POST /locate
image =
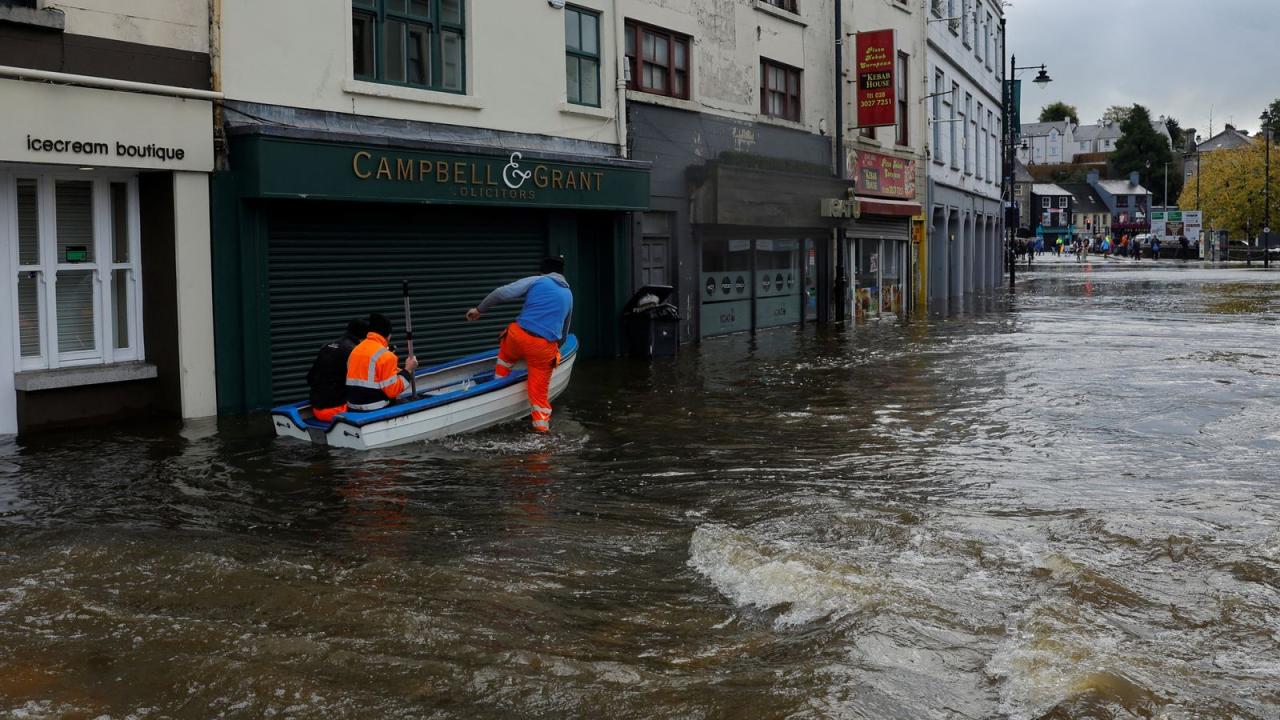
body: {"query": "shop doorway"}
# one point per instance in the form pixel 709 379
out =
pixel 879 270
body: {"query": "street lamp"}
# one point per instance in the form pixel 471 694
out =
pixel 1042 79
pixel 1266 192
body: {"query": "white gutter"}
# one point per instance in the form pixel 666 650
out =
pixel 107 83
pixel 619 62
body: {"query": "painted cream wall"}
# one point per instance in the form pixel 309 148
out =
pixel 177 24
pixel 960 64
pixel 297 53
pixel 908 20
pixel 192 262
pixel 8 397
pixel 729 39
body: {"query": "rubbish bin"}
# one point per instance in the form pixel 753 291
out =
pixel 652 322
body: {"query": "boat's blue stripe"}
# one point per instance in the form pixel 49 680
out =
pixel 359 419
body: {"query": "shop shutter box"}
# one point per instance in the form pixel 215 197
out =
pixel 332 262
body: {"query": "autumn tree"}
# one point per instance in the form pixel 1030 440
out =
pixel 1231 189
pixel 1115 113
pixel 1144 150
pixel 1059 111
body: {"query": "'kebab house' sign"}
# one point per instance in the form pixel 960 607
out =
pixel 877 105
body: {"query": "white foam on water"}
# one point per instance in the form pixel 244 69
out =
pixel 763 575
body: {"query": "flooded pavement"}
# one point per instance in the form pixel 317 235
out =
pixel 1064 506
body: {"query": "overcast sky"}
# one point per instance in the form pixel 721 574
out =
pixel 1118 52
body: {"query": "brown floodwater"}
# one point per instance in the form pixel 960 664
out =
pixel 1062 503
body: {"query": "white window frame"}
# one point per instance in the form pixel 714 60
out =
pixel 1064 202
pixel 102 267
pixel 1046 202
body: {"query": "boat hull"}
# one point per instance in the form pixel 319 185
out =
pixel 460 397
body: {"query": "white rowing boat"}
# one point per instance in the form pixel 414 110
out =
pixel 455 397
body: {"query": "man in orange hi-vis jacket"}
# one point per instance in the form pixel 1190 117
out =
pixel 373 375
pixel 537 334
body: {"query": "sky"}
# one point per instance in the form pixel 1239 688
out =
pixel 1119 52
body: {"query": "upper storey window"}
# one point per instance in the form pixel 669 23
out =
pixel 658 61
pixel 788 5
pixel 418 43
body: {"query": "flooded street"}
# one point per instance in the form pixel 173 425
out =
pixel 1065 505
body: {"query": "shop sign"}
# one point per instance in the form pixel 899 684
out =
pixel 877 175
pixel 289 168
pixel 875 60
pixel 65 125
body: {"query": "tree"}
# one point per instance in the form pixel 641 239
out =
pixel 1177 136
pixel 1142 149
pixel 1059 111
pixel 1231 189
pixel 1115 113
pixel 1274 110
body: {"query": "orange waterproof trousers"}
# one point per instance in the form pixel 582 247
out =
pixel 541 357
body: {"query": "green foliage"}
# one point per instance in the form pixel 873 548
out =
pixel 1115 113
pixel 1059 111
pixel 1177 136
pixel 1274 110
pixel 1142 149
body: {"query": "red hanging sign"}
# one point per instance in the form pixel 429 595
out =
pixel 877 102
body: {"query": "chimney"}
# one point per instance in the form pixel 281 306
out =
pixel 1133 179
pixel 1190 134
pixel 1230 127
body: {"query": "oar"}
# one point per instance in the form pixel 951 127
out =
pixel 408 336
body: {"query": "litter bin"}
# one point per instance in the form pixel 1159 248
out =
pixel 652 322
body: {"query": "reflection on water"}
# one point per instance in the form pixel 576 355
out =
pixel 1064 507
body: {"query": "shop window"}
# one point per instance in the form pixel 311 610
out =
pixel 582 56
pixel 778 286
pixel 658 61
pixel 418 43
pixel 879 267
pixel 902 134
pixel 779 91
pixel 748 284
pixel 77 271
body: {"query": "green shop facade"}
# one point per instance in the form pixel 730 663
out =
pixel 309 232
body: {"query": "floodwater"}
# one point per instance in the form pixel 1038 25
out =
pixel 1066 505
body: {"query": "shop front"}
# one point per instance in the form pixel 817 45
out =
pixel 763 247
pixel 885 264
pixel 104 260
pixel 311 230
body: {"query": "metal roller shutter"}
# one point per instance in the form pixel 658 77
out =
pixel 879 228
pixel 330 263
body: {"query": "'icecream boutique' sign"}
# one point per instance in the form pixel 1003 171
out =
pixel 319 170
pixel 78 126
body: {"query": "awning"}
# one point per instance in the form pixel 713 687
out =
pixel 877 206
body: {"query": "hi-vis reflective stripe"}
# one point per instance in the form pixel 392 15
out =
pixel 372 383
pixel 542 424
pixel 505 364
pixel 371 406
pixel 544 411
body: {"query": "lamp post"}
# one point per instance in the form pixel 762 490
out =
pixel 1042 79
pixel 1266 192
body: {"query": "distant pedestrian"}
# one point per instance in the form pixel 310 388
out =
pixel 1155 248
pixel 1184 246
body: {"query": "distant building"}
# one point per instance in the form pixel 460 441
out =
pixel 1127 200
pixel 1022 182
pixel 1063 142
pixel 1052 203
pixel 1228 139
pixel 1090 214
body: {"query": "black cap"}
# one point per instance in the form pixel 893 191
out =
pixel 357 328
pixel 380 324
pixel 553 264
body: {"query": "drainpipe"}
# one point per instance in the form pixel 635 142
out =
pixel 220 160
pixel 839 287
pixel 92 81
pixel 620 63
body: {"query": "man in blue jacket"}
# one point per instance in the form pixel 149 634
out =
pixel 537 334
